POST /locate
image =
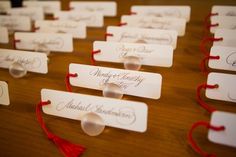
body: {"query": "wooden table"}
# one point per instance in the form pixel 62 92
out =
pixel 169 118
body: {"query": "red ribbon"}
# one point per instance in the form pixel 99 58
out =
pixel 203 63
pixel 108 35
pixel 92 56
pixel 205 41
pixel 67 81
pixel 122 24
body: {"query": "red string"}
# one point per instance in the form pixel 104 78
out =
pixel 203 63
pixel 132 13
pixel 199 99
pixel 122 24
pixel 205 41
pixel 108 35
pixel 67 149
pixel 207 18
pixel 15 41
pixel 193 144
pixel 92 56
pixel 67 81
pixel 208 27
pixel 35 29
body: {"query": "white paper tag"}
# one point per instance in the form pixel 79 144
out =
pixel 76 29
pixel 54 41
pixel 163 11
pixel 226 90
pixel 104 7
pixel 123 114
pixel 150 54
pixel 4 38
pixel 32 61
pixel 91 19
pixel 142 35
pixel 4 94
pixel 227 59
pixel 34 13
pixel 15 23
pixel 4 6
pixel 224 10
pixel 224 22
pixel 229 37
pixel 166 23
pixel 227 136
pixel 136 83
pixel 49 7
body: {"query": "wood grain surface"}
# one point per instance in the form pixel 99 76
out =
pixel 169 118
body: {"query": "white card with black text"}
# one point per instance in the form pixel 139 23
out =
pixel 162 11
pixel 123 114
pixel 142 35
pixel 53 41
pixel 91 19
pixel 34 13
pixel 15 23
pixel 228 35
pixel 149 54
pixel 226 136
pixel 224 10
pixel 166 23
pixel 224 22
pixel 32 61
pixel 4 38
pixel 4 93
pixel 49 7
pixel 226 90
pixel 76 29
pixel 105 7
pixel 136 83
pixel 227 58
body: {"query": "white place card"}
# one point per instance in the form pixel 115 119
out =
pixel 228 35
pixel 227 60
pixel 123 114
pixel 4 93
pixel 142 35
pixel 226 90
pixel 4 38
pixel 32 61
pixel 224 22
pixel 149 54
pixel 54 41
pixel 49 7
pixel 162 11
pixel 105 7
pixel 136 83
pixel 76 29
pixel 165 23
pixel 224 10
pixel 227 136
pixel 15 23
pixel 34 13
pixel 91 19
pixel 4 6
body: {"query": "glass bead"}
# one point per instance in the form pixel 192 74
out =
pixel 132 63
pixel 17 70
pixel 112 90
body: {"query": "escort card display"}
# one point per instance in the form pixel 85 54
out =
pixel 49 7
pixel 4 94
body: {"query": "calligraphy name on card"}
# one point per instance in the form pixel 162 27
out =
pixel 166 23
pixel 77 29
pixel 162 11
pixel 15 23
pixel 224 10
pixel 106 8
pixel 123 114
pixel 49 7
pixel 224 22
pixel 227 58
pixel 4 94
pixel 91 19
pixel 4 38
pixel 228 36
pixel 53 41
pixel 149 54
pixel 136 83
pixel 34 13
pixel 142 35
pixel 226 90
pixel 32 61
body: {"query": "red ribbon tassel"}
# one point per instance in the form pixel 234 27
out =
pixel 203 63
pixel 122 24
pixel 207 19
pixel 108 35
pixel 205 41
pixel 67 81
pixel 67 149
pixel 193 144
pixel 199 99
pixel 92 56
